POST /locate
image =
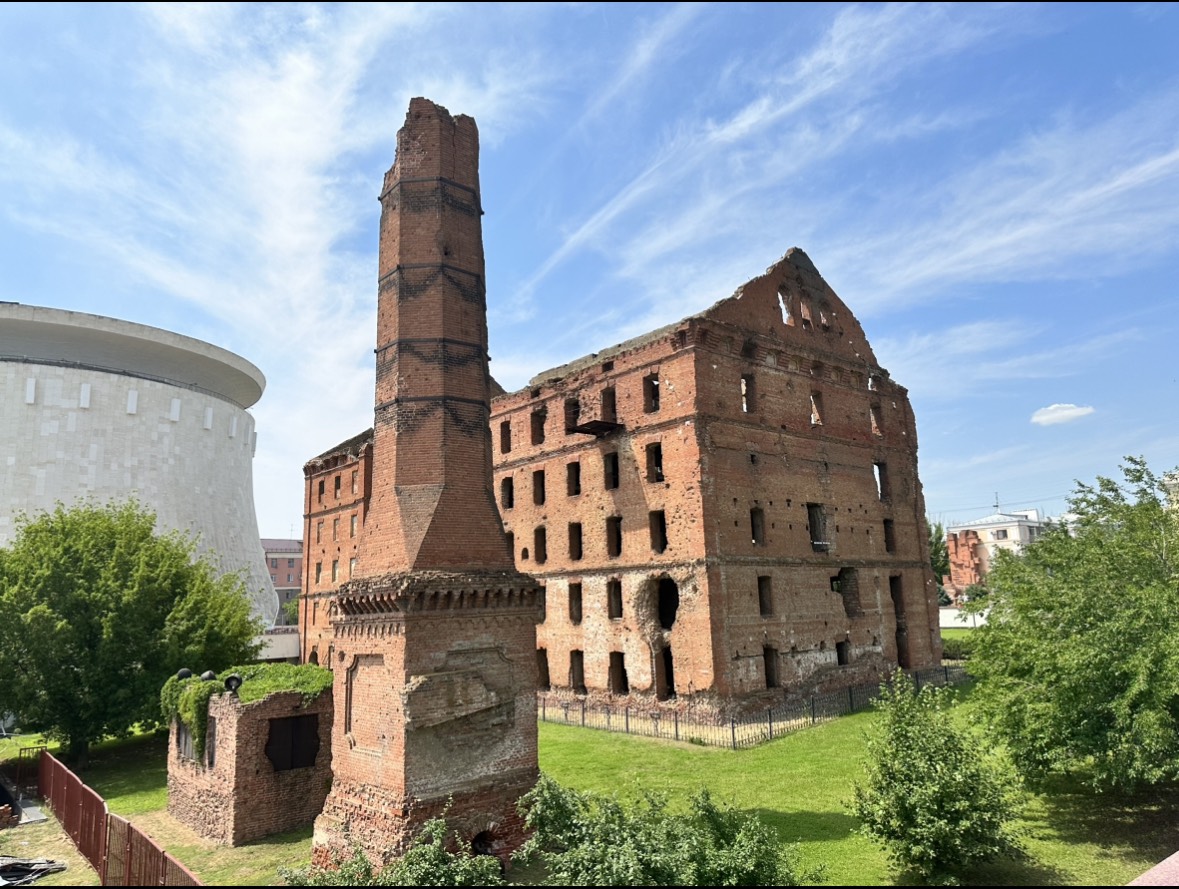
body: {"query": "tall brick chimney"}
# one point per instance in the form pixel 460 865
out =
pixel 432 502
pixel 434 637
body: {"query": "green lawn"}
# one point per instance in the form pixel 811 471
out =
pixel 957 632
pixel 798 784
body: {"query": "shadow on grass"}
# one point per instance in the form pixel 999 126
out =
pixel 806 827
pixel 282 839
pixel 130 767
pixel 1132 827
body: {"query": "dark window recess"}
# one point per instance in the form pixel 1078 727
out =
pixel 614 599
pixel 337 487
pixel 538 418
pixel 574 541
pixel 575 603
pixel 658 523
pixel 770 658
pixel 610 470
pixel 843 653
pixel 818 527
pixel 669 602
pixel 890 536
pixel 816 408
pixel 655 462
pixel 609 405
pixel 619 684
pixel 765 595
pixel 874 419
pixel 538 487
pixel 540 545
pixel 321 490
pixel 184 740
pixel 757 525
pixel 572 414
pixel 542 669
pixel 505 436
pixel 573 479
pixel 883 487
pixel 897 592
pixel 664 675
pixel 847 584
pixel 651 393
pixel 577 671
pixel 511 543
pixel 211 742
pixel 614 536
pixel 507 493
pixel 748 396
pixel 544 603
pixel 293 742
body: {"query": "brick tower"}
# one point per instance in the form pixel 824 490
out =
pixel 434 637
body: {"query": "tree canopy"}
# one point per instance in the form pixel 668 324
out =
pixel 1078 663
pixel 939 554
pixel 97 610
pixel 936 804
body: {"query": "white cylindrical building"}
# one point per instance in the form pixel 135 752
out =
pixel 97 408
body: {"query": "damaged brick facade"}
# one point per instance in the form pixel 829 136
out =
pixel 266 767
pixel 724 507
pixel 433 637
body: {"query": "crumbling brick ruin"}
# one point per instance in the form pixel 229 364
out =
pixel 433 637
pixel 725 506
pixel 265 767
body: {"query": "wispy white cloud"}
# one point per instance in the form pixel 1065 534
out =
pixel 1055 414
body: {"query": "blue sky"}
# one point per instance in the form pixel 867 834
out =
pixel 992 189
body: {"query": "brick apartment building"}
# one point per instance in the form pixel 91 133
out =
pixel 284 561
pixel 723 507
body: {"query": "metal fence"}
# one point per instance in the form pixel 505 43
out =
pixel 115 848
pixel 735 732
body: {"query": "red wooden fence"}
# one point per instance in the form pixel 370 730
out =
pixel 122 855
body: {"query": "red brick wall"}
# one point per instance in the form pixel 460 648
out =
pixel 240 797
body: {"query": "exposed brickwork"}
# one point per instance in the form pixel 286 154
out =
pixel 966 568
pixel 433 639
pixel 234 794
pixel 759 414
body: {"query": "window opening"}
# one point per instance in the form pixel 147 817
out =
pixel 757 525
pixel 614 599
pixel 540 545
pixel 847 584
pixel 655 462
pixel 542 669
pixel 664 675
pixel 897 592
pixel 669 602
pixel 538 418
pixel 883 488
pixel 610 470
pixel 609 406
pixel 577 671
pixel 575 603
pixel 784 305
pixel 817 523
pixel 843 653
pixel 619 684
pixel 747 393
pixel 614 536
pixel 572 414
pixel 658 523
pixel 538 487
pixel 573 478
pixel 574 541
pixel 507 492
pixel 651 393
pixel 816 408
pixel 765 595
pixel 769 656
pixel 874 418
pixel 505 436
pixel 293 742
pixel 890 536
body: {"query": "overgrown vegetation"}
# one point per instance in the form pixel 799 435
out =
pixel 936 803
pixel 586 839
pixel 188 699
pixel 100 607
pixel 957 645
pixel 427 862
pixel 1078 663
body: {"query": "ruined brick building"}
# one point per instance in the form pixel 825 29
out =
pixel 718 510
pixel 433 633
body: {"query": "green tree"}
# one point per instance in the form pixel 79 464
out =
pixel 929 797
pixel 585 839
pixel 939 555
pixel 97 610
pixel 428 862
pixel 1078 663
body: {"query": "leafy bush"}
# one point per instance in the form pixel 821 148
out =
pixel 428 862
pixel 931 798
pixel 585 839
pixel 957 648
